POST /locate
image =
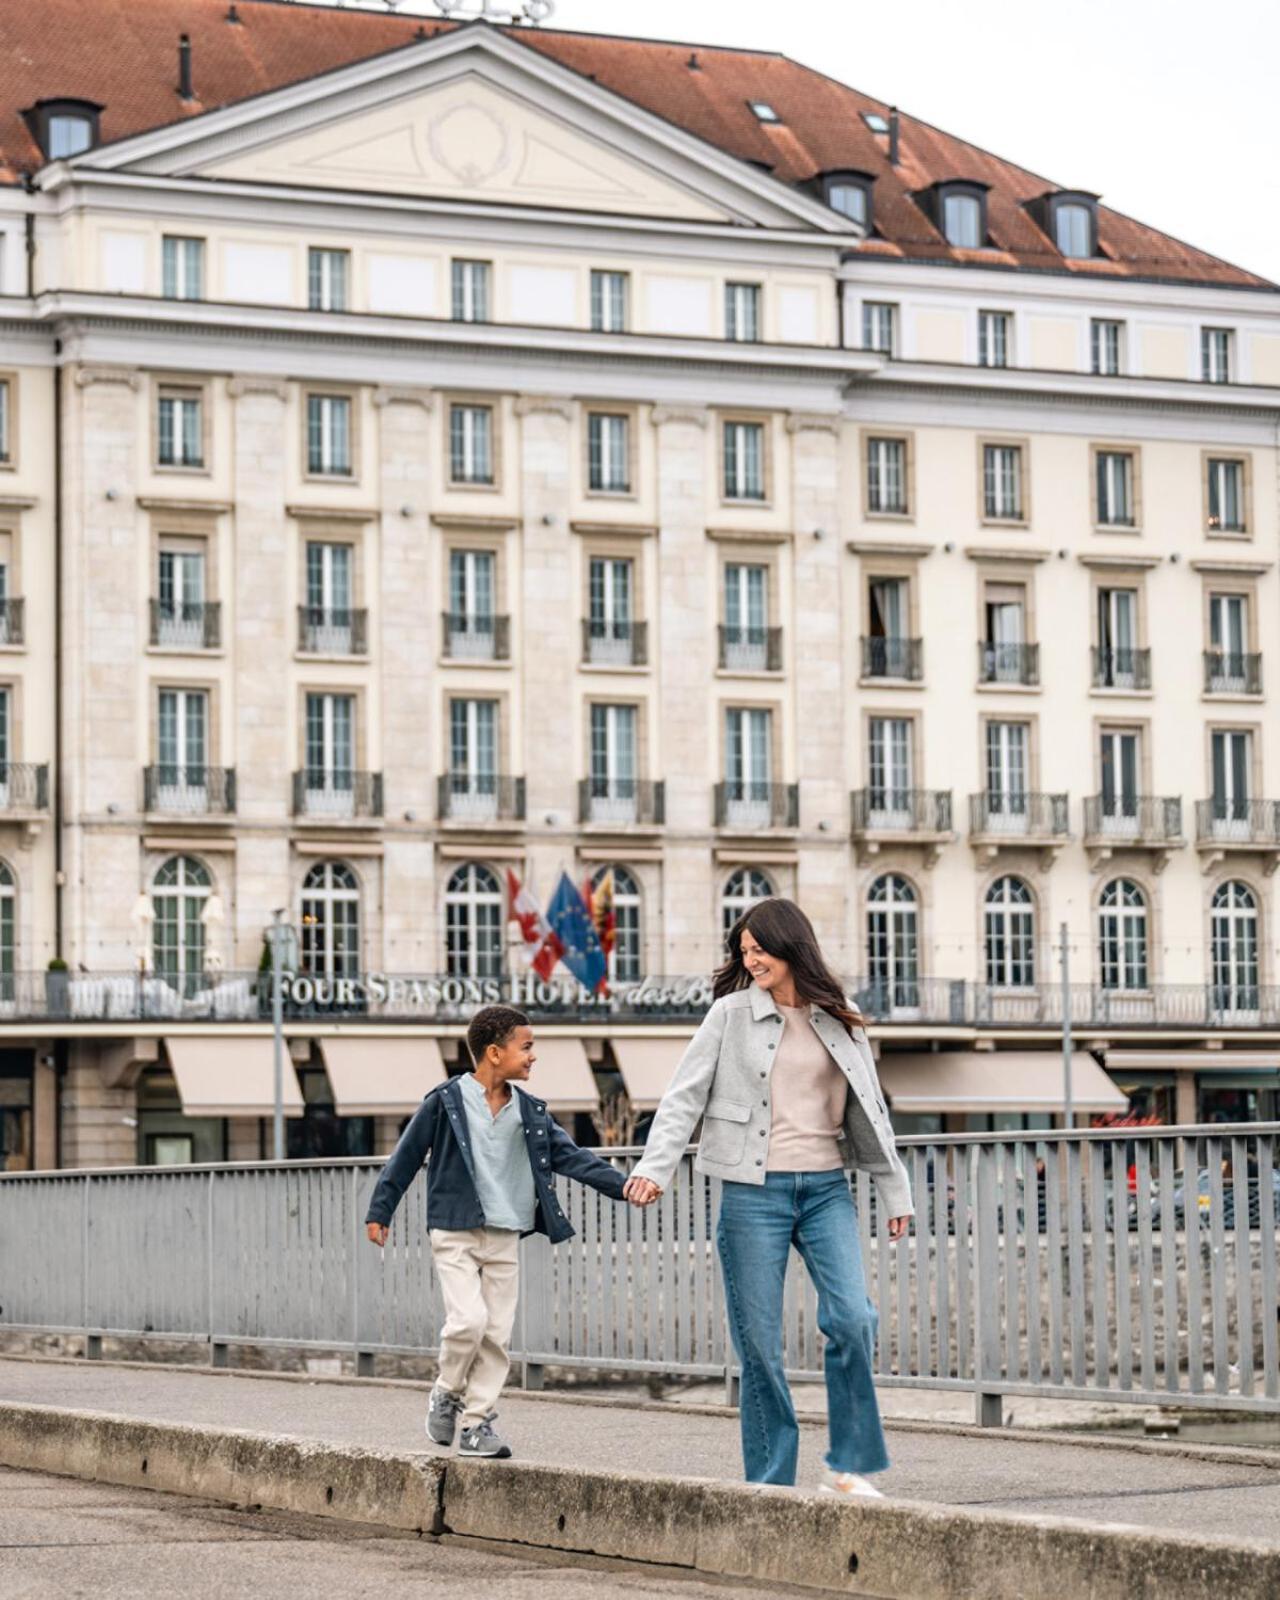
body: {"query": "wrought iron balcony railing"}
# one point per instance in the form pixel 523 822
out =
pixel 1254 822
pixel 622 800
pixel 193 791
pixel 1135 818
pixel 337 794
pixel 480 797
pixel 12 621
pixel 24 785
pixel 473 636
pixel 743 803
pixel 186 624
pixel 1008 663
pixel 892 658
pixel 1232 672
pixel 1121 669
pixel 881 810
pixel 994 813
pixel 333 631
pixel 750 649
pixel 614 643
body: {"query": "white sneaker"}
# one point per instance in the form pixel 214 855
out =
pixel 849 1485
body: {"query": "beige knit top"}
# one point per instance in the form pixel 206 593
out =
pixel 809 1094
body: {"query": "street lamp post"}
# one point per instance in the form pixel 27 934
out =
pixel 277 1025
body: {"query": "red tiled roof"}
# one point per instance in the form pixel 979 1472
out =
pixel 123 55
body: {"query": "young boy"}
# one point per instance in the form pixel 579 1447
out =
pixel 493 1152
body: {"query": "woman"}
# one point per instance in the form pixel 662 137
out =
pixel 781 1073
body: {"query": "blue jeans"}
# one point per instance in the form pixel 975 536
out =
pixel 758 1225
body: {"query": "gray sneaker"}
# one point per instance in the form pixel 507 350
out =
pixel 482 1441
pixel 442 1415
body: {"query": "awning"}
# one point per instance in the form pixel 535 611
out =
pixel 562 1075
pixel 230 1077
pixel 995 1080
pixel 647 1067
pixel 380 1077
pixel 1121 1061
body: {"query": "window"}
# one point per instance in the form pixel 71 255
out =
pixel 11 630
pixel 608 453
pixel 748 766
pixel 742 312
pixel 893 953
pixel 764 111
pixel 888 650
pixel 330 932
pixel 1229 667
pixel 995 329
pixel 1009 935
pixel 744 461
pixel 963 221
pixel 182 750
pixel 1226 495
pixel 1113 471
pixel 473 758
pixel 1231 756
pixel 626 957
pixel 471 621
pixel 850 195
pixel 1105 346
pixel 743 889
pixel 609 301
pixel 876 122
pixel 328 276
pixel 1002 482
pixel 1073 229
pixel 879 326
pixel 1122 936
pixel 328 619
pixel 6 409
pixel 1005 656
pixel 887 476
pixel 329 767
pixel 183 268
pixel 1118 639
pixel 610 633
pixel 180 616
pixel 889 771
pixel 613 763
pixel 746 617
pixel 1006 771
pixel 180 428
pixel 1233 940
pixel 1119 761
pixel 471 444
pixel 8 902
pixel 1215 354
pixel 470 280
pixel 68 134
pixel 473 913
pixel 180 891
pixel 329 435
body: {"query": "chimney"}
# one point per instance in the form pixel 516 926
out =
pixel 185 90
pixel 893 136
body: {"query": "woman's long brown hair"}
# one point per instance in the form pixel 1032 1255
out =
pixel 784 932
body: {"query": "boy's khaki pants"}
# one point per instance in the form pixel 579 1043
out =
pixel 479 1274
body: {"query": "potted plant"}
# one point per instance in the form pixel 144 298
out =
pixel 57 988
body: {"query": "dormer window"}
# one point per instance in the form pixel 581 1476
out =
pixel 1071 221
pixel 959 210
pixel 64 127
pixel 849 193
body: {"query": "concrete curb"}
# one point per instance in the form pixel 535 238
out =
pixel 888 1549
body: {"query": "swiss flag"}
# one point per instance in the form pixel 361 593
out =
pixel 543 948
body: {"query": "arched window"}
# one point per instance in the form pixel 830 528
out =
pixel 1010 935
pixel 626 959
pixel 179 891
pixel 330 921
pixel 1233 942
pixel 893 942
pixel 473 911
pixel 8 920
pixel 745 888
pixel 1122 935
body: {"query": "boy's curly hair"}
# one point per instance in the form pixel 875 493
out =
pixel 492 1025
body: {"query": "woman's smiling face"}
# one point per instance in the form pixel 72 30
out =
pixel 765 970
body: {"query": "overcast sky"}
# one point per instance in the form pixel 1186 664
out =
pixel 1166 108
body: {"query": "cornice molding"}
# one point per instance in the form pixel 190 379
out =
pixel 186 508
pixel 1229 567
pixel 814 422
pixel 619 530
pixel 691 416
pixel 993 385
pixel 88 377
pixel 241 386
pixel 890 547
pixel 1117 562
pixel 1000 552
pixel 750 536
pixel 332 513
pixel 393 396
pixel 18 502
pixel 473 520
pixel 549 405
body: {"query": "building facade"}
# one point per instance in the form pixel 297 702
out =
pixel 435 451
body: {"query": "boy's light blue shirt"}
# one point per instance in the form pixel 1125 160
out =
pixel 504 1178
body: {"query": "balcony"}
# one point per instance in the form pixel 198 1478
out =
pixel 1121 669
pixel 12 622
pixel 900 660
pixel 614 644
pixel 750 649
pixel 901 816
pixel 1009 663
pixel 470 636
pixel 333 631
pixel 186 624
pixel 1226 826
pixel 187 791
pixel 472 797
pixel 1132 822
pixel 24 786
pixel 622 802
pixel 1011 820
pixel 337 796
pixel 1232 672
pixel 743 803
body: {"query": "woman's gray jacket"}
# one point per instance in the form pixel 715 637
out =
pixel 724 1077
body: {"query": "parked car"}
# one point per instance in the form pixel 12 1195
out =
pixel 1204 1202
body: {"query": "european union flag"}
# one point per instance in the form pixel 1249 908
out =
pixel 571 923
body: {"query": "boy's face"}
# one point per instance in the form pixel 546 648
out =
pixel 514 1057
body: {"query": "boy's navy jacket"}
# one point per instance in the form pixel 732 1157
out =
pixel 439 1130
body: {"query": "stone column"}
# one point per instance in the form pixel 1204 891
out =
pixel 818 659
pixel 94 1130
pixel 681 650
pixel 406 645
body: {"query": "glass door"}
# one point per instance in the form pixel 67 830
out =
pixel 748 765
pixel 1008 803
pixel 182 777
pixel 471 604
pixel 746 617
pixel 609 623
pixel 889 785
pixel 613 763
pixel 1228 641
pixel 330 754
pixel 473 758
pixel 1117 638
pixel 1119 771
pixel 329 618
pixel 1232 759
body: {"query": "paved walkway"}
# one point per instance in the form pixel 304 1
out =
pixel 1192 1489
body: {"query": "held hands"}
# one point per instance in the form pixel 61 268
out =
pixel 377 1233
pixel 640 1191
pixel 898 1227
